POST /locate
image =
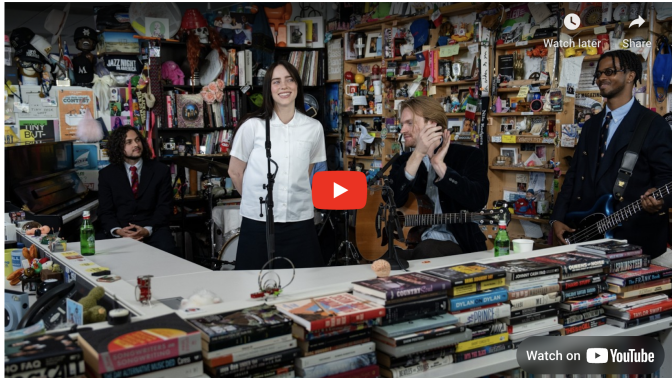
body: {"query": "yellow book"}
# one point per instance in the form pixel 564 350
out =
pixel 481 342
pixel 477 286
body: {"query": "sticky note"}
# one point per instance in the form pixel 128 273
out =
pixel 447 51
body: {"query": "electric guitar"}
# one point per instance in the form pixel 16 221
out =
pixel 601 219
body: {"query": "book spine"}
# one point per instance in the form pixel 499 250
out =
pixel 45 362
pixel 577 282
pixel 336 347
pixel 588 324
pixel 63 368
pixel 277 372
pixel 650 309
pixel 258 334
pixel 487 329
pixel 484 314
pixel 155 366
pixel 481 342
pixel 422 367
pixel 252 353
pixel 636 262
pixel 385 360
pixel 265 371
pixel 337 321
pixel 412 311
pixel 234 109
pixel 483 278
pixel 481 299
pixel 588 303
pixel 256 363
pixel 483 351
pixel 536 291
pixel 355 350
pixel 568 318
pixel 538 273
pixel 371 371
pixel 533 325
pixel 639 321
pixel 620 255
pixel 169 112
pixel 526 285
pixel 414 338
pixel 646 290
pixel 622 289
pixel 644 278
pixel 535 300
pixel 477 286
pixel 583 291
pixel 248 346
pixel 338 366
pixel 125 358
pixel 531 310
pixel 337 340
pixel 532 317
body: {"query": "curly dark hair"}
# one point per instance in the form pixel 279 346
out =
pixel 628 60
pixel 117 141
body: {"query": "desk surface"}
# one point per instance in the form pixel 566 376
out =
pixel 175 277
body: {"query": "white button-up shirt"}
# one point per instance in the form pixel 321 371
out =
pixel 294 146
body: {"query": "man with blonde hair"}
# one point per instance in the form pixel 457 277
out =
pixel 453 177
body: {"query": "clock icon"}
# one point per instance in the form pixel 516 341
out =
pixel 572 21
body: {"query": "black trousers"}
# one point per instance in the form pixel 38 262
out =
pixel 296 241
pixel 429 248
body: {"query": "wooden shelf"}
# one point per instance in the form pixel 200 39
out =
pixel 459 9
pixel 519 169
pixel 333 81
pixel 373 25
pixel 401 58
pixel 389 135
pixel 366 115
pixel 452 83
pixel 459 114
pixel 374 59
pixel 333 135
pixel 530 43
pixel 516 89
pixel 533 220
pixel 521 113
pixel 401 78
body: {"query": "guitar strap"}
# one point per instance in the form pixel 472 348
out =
pixel 632 153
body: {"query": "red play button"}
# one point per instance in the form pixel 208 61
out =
pixel 339 190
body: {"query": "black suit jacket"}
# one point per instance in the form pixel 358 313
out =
pixel 465 186
pixel 584 183
pixel 118 207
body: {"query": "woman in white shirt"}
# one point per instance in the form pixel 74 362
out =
pixel 297 142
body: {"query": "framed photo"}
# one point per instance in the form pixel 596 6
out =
pixel 540 151
pixel 454 125
pixel 296 34
pixel 462 95
pixel 157 27
pixel 468 126
pixel 317 35
pixel 372 44
pixel 510 152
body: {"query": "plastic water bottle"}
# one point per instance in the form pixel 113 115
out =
pixel 17 256
pixel 87 236
pixel 502 243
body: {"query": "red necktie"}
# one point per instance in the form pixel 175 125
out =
pixel 134 181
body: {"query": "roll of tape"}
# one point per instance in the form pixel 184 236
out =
pixel 118 316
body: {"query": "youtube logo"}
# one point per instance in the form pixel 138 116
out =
pixel 339 190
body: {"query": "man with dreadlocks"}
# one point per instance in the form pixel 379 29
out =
pixel 599 154
pixel 134 192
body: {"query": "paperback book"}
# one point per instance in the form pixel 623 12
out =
pixel 467 273
pixel 418 325
pixel 608 247
pixel 525 269
pixel 480 299
pixel 640 276
pixel 402 285
pixel 629 263
pixel 582 281
pixel 585 325
pixel 574 262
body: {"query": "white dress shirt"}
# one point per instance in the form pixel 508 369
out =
pixel 294 146
pixel 138 167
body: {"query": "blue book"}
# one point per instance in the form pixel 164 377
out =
pixel 417 325
pixel 488 297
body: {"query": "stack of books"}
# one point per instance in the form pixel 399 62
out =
pixel 533 294
pixel 477 299
pixel 249 342
pixel 53 355
pixel 583 293
pixel 166 345
pixel 643 296
pixel 334 335
pixel 416 330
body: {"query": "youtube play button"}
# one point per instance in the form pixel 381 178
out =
pixel 339 190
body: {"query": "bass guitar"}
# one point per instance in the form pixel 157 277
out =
pixel 600 221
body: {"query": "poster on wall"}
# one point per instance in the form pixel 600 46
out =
pixel 40 107
pixel 37 131
pixel 72 106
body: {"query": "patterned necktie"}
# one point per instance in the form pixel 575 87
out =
pixel 604 134
pixel 134 181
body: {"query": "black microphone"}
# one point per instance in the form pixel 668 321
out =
pixel 380 173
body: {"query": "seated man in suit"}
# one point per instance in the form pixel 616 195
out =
pixel 453 177
pixel 599 153
pixel 135 193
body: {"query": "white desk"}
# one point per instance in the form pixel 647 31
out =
pixel 175 277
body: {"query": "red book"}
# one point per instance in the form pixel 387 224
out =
pixel 647 310
pixel 371 371
pixel 169 111
pixel 331 311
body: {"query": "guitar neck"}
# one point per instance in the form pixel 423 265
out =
pixel 623 214
pixel 432 219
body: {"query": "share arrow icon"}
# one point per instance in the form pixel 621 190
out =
pixel 639 22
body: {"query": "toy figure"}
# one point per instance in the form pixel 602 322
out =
pixel 526 206
pixel 403 91
pixel 454 104
pixel 195 30
pixel 276 20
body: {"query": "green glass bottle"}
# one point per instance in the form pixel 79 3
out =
pixel 87 236
pixel 502 243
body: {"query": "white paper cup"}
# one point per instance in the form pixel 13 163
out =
pixel 522 245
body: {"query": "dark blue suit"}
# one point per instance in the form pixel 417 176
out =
pixel 153 206
pixel 585 183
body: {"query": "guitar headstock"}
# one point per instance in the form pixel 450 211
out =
pixel 492 216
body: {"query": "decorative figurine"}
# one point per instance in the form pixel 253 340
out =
pixel 143 290
pixel 454 104
pixel 382 268
pixel 526 206
pixel 86 39
pixel 403 91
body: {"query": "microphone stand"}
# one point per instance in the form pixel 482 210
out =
pixel 392 224
pixel 270 225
